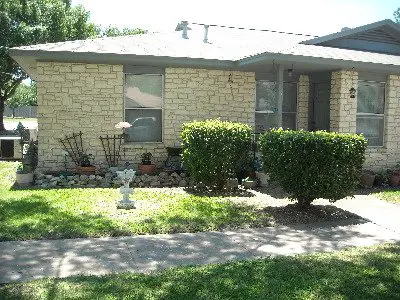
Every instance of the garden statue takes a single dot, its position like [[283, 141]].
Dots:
[[126, 176]]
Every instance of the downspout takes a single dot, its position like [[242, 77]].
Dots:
[[279, 94]]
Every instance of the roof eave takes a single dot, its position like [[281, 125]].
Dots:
[[115, 58], [352, 31], [333, 63]]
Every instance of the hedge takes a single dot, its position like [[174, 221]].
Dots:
[[212, 149], [311, 165]]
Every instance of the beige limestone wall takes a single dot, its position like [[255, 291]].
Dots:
[[343, 109], [302, 102], [75, 97], [380, 158], [199, 94], [343, 117]]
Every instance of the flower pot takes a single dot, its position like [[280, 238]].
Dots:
[[367, 179], [249, 184], [91, 170], [147, 169], [24, 179], [263, 178], [394, 179]]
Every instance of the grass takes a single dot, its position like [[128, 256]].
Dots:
[[392, 196], [357, 273], [72, 213]]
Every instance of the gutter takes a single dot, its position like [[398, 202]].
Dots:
[[114, 58], [336, 63]]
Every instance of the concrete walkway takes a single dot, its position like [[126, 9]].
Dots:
[[26, 260]]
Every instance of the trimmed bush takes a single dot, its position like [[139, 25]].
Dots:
[[311, 165], [212, 148]]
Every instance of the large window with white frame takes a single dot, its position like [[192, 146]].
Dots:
[[144, 107], [267, 106], [371, 111]]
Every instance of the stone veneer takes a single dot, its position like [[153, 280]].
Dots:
[[75, 97], [302, 102], [343, 109], [344, 112], [199, 94]]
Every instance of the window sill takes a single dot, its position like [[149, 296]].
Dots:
[[141, 144]]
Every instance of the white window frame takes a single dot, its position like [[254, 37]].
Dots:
[[283, 112], [372, 115], [147, 108]]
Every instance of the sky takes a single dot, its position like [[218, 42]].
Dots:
[[316, 17]]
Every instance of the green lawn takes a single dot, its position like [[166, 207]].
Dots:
[[71, 213], [359, 273], [392, 196]]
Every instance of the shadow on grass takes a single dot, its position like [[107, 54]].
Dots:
[[354, 274], [214, 193], [33, 217], [204, 214]]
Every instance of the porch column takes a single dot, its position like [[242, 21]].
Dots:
[[303, 94], [343, 109], [279, 94]]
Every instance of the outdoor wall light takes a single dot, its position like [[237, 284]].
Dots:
[[290, 72], [352, 92]]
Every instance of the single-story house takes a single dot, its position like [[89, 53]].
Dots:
[[346, 82]]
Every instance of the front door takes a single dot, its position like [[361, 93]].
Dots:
[[321, 112]]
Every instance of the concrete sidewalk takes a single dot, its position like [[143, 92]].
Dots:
[[26, 260], [373, 209]]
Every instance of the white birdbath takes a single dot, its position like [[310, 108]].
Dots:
[[126, 176]]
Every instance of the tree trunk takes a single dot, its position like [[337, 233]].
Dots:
[[304, 204], [2, 102]]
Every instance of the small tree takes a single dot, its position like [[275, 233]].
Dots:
[[25, 95], [212, 148], [311, 165]]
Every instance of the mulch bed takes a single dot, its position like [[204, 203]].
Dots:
[[291, 214]]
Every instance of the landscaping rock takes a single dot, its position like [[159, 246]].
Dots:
[[155, 184], [108, 180], [182, 183]]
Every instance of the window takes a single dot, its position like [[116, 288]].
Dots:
[[267, 106], [370, 111], [143, 107]]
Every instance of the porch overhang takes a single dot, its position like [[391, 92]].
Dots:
[[314, 64]]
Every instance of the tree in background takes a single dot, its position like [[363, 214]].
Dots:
[[26, 22], [114, 31], [396, 15], [24, 95]]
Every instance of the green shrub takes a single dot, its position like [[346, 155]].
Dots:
[[311, 165], [212, 148]]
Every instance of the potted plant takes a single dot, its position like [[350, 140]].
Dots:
[[147, 167], [85, 166], [367, 178], [262, 177], [24, 174], [394, 177], [382, 178]]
